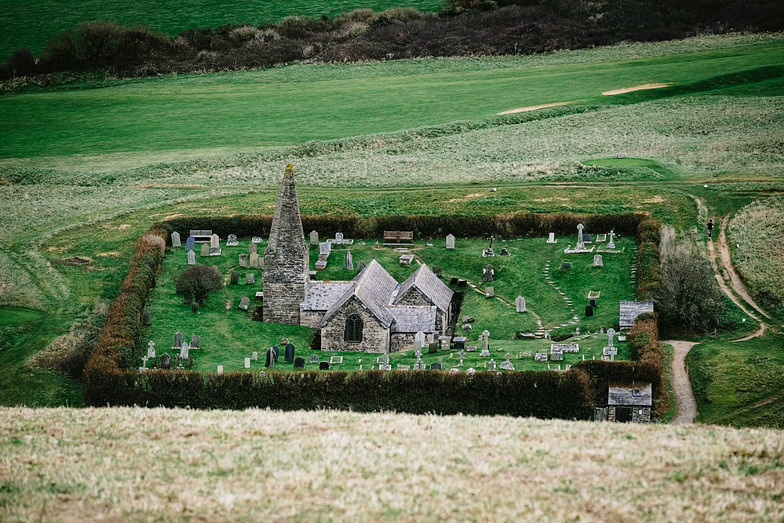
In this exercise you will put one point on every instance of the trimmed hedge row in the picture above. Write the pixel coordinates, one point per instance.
(540, 394)
(648, 260)
(501, 226)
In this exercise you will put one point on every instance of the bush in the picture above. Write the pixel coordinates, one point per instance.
(197, 282)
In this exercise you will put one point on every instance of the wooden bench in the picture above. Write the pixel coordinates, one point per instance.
(398, 237)
(201, 235)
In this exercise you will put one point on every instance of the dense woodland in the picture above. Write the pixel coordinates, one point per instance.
(459, 28)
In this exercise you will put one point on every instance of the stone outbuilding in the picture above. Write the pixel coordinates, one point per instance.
(627, 403)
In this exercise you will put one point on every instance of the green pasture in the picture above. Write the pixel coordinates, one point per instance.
(739, 383)
(228, 335)
(32, 25)
(190, 116)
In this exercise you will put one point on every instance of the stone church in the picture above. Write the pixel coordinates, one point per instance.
(371, 313)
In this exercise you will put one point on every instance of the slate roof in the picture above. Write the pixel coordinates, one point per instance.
(631, 309)
(320, 295)
(373, 288)
(413, 318)
(430, 285)
(623, 394)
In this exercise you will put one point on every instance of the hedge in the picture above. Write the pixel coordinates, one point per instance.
(501, 226)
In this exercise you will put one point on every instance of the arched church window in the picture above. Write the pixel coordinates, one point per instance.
(353, 328)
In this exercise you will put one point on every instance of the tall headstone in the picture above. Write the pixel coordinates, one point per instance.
(220, 370)
(146, 318)
(184, 351)
(488, 273)
(597, 260)
(288, 356)
(195, 341)
(191, 258)
(588, 311)
(286, 260)
(252, 249)
(231, 241)
(214, 241)
(247, 363)
(450, 241)
(419, 340)
(254, 260)
(235, 277)
(190, 243)
(611, 244)
(552, 239)
(151, 350)
(177, 339)
(243, 259)
(166, 361)
(349, 261)
(314, 239)
(520, 304)
(580, 241)
(610, 335)
(175, 239)
(205, 249)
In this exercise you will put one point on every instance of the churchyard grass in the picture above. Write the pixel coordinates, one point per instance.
(228, 335)
(25, 27)
(168, 464)
(739, 383)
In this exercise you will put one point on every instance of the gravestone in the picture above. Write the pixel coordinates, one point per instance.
(166, 361)
(348, 261)
(255, 356)
(288, 356)
(488, 274)
(556, 355)
(184, 351)
(406, 259)
(252, 249)
(151, 350)
(400, 366)
(588, 311)
(552, 239)
(610, 334)
(244, 303)
(214, 241)
(250, 279)
(580, 240)
(489, 292)
(190, 243)
(175, 239)
(419, 340)
(243, 259)
(177, 339)
(566, 265)
(485, 353)
(314, 358)
(361, 265)
(214, 251)
(459, 342)
(275, 353)
(611, 244)
(195, 341)
(491, 365)
(419, 365)
(220, 369)
(432, 348)
(325, 248)
(462, 355)
(586, 238)
(438, 271)
(324, 365)
(254, 261)
(507, 365)
(597, 260)
(247, 363)
(487, 253)
(485, 337)
(450, 241)
(338, 237)
(235, 277)
(205, 249)
(270, 360)
(299, 362)
(231, 241)
(146, 317)
(257, 239)
(520, 304)
(540, 356)
(467, 327)
(191, 258)
(504, 252)
(593, 304)
(314, 239)
(436, 366)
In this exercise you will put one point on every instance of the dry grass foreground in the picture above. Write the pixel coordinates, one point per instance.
(141, 464)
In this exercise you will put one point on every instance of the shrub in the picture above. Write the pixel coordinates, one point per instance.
(197, 282)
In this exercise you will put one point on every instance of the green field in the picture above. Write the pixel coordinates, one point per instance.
(228, 335)
(18, 18)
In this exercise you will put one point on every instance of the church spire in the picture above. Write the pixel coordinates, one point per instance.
(286, 260)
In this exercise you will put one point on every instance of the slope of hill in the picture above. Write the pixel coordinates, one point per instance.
(69, 465)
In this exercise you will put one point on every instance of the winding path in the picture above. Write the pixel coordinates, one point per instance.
(686, 405)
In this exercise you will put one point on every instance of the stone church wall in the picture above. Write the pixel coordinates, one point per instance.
(375, 338)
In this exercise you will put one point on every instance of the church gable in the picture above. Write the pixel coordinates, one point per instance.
(353, 327)
(424, 288)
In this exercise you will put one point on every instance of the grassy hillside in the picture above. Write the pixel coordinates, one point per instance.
(18, 18)
(175, 464)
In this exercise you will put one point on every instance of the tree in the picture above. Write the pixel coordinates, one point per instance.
(197, 282)
(689, 294)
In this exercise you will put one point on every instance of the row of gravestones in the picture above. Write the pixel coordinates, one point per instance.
(231, 241)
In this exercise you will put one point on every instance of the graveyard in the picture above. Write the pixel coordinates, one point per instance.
(555, 301)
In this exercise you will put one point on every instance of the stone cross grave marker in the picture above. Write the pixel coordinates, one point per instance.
(507, 365)
(611, 244)
(348, 261)
(489, 251)
(450, 241)
(491, 364)
(462, 355)
(597, 260)
(580, 240)
(250, 279)
(314, 239)
(610, 334)
(175, 238)
(552, 239)
(231, 241)
(191, 258)
(520, 304)
(205, 249)
(190, 243)
(151, 349)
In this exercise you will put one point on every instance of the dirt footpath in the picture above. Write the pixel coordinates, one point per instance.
(681, 385)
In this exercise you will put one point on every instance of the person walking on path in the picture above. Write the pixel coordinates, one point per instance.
(710, 228)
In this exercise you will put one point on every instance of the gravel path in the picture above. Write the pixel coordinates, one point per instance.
(681, 385)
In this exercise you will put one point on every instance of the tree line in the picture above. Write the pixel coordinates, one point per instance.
(459, 28)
